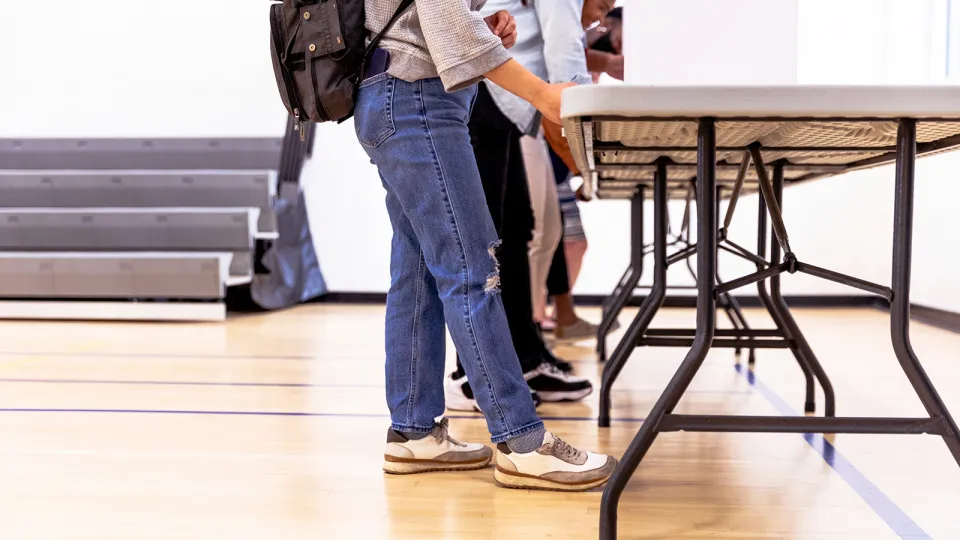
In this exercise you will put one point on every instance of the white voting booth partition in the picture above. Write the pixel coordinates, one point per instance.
(696, 42)
(703, 42)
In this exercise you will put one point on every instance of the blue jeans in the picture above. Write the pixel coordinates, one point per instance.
(443, 267)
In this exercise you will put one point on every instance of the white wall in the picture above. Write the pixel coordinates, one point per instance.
(347, 213)
(129, 68)
(180, 68)
(888, 42)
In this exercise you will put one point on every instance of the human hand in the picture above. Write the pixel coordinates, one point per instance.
(558, 142)
(581, 196)
(504, 26)
(547, 101)
(614, 66)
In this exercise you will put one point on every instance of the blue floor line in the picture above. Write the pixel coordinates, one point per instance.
(882, 505)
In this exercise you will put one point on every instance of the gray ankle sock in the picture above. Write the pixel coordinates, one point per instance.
(415, 435)
(528, 442)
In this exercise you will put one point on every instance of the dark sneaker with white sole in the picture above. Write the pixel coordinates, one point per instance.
(552, 384)
(562, 365)
(459, 396)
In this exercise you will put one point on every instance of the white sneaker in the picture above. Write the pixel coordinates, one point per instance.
(554, 466)
(458, 395)
(438, 451)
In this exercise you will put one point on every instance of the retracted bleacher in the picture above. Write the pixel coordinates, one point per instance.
(132, 229)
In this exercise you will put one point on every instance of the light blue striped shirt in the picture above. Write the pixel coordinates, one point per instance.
(550, 43)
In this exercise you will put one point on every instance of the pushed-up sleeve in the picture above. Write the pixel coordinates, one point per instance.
(461, 45)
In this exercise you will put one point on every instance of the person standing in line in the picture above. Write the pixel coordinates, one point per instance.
(550, 45)
(565, 325)
(411, 118)
(607, 38)
(559, 51)
(603, 56)
(548, 243)
(548, 226)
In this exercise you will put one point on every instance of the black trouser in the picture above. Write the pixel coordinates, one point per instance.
(558, 279)
(496, 145)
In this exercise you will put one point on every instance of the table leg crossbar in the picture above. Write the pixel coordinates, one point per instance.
(662, 418)
(639, 334)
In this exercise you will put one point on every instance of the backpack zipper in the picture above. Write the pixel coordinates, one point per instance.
(300, 125)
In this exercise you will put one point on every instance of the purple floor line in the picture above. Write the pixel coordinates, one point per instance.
(879, 502)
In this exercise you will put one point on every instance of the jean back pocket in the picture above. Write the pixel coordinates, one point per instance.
(374, 111)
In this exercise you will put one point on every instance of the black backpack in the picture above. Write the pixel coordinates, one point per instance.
(319, 54)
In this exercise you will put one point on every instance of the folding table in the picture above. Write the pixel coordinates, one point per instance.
(719, 142)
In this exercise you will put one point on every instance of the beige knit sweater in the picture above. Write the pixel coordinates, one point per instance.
(445, 38)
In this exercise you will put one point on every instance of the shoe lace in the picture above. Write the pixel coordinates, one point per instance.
(554, 371)
(564, 451)
(442, 432)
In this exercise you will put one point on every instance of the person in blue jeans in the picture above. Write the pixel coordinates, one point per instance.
(412, 122)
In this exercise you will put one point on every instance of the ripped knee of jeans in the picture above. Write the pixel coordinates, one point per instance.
(492, 285)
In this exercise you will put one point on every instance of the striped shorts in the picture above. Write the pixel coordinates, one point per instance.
(572, 226)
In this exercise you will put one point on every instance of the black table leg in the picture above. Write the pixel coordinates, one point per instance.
(810, 404)
(727, 302)
(706, 326)
(611, 299)
(651, 304)
(628, 283)
(900, 305)
(807, 356)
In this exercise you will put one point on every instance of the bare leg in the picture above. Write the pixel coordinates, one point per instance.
(575, 252)
(564, 312)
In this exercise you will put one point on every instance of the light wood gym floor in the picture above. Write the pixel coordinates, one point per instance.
(270, 427)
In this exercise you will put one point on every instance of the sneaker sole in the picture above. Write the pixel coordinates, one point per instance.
(425, 466)
(513, 481)
(556, 397)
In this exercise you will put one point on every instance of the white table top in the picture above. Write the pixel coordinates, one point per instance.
(763, 101)
(618, 132)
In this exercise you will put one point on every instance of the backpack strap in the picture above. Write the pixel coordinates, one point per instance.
(293, 155)
(404, 5)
